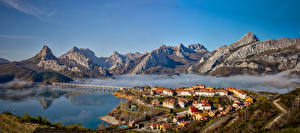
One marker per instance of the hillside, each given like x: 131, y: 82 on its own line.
x: 255, y: 118
x: 24, y: 124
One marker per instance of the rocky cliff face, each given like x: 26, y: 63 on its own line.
x: 198, y: 48
x: 246, y: 39
x: 170, y: 60
x: 157, y: 57
x: 84, y: 60
x: 46, y: 60
x: 116, y: 61
x: 182, y: 51
x: 133, y: 56
x: 249, y: 55
x: 78, y: 58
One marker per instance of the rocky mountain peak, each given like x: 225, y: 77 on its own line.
x: 162, y: 49
x: 115, y: 53
x: 133, y: 56
x: 46, y: 54
x: 74, y: 49
x: 250, y: 37
x: 79, y: 57
x: 46, y: 60
x: 246, y: 39
x: 116, y: 57
x: 198, y: 48
x: 180, y: 46
x: 181, y: 50
x: 84, y: 51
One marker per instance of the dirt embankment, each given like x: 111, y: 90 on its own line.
x: 110, y: 119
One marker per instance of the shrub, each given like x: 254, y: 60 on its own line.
x: 7, y: 113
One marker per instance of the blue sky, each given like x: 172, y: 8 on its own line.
x: 126, y: 26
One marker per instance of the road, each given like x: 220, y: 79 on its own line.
x: 275, y: 102
x: 183, y: 113
x: 219, y: 122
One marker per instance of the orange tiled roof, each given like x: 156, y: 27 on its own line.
x: 221, y: 90
x: 183, y: 100
x: 160, y: 89
x: 205, y: 90
x: 169, y: 90
x: 203, y: 103
x: 180, y: 90
x: 238, y: 90
x: 155, y: 124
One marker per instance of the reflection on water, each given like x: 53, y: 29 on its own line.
x: 60, y: 106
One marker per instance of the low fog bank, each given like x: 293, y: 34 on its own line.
x: 16, y: 83
x: 28, y: 93
x: 280, y: 83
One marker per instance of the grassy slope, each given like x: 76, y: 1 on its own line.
x: 291, y: 121
x: 10, y: 123
x: 26, y: 123
x: 264, y: 111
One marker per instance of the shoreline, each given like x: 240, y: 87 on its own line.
x: 119, y: 95
x: 111, y: 119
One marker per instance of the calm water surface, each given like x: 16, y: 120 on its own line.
x: 59, y: 106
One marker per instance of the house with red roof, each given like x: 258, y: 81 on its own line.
x: 170, y: 103
x: 198, y: 86
x: 192, y: 110
x: 238, y: 93
x: 202, y: 105
x: 155, y: 102
x: 183, y: 102
x: 182, y: 92
x: 221, y: 92
x: 168, y: 92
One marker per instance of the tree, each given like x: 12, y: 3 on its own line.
x: 171, y: 111
x: 147, y: 117
x: 147, y: 87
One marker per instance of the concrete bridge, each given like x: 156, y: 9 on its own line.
x: 88, y: 88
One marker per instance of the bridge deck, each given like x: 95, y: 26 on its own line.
x: 87, y: 85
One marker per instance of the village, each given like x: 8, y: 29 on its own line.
x: 157, y: 109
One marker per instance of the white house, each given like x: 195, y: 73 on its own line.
x: 168, y: 92
x: 204, y: 93
x: 222, y: 92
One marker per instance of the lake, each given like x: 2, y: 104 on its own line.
x: 59, y: 106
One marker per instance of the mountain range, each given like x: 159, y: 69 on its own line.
x: 248, y: 55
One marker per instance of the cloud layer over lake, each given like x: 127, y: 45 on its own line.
x: 275, y: 83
